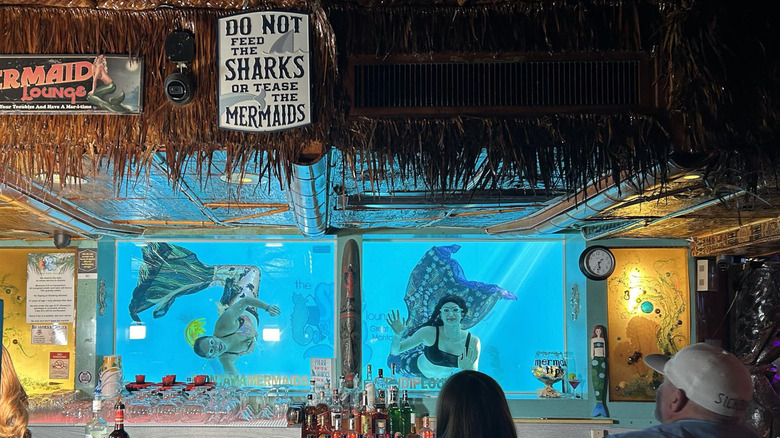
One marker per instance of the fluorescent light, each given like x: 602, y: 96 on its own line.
x: 273, y: 245
x: 138, y: 331
x: 57, y: 178
x: 271, y: 334
x: 237, y: 178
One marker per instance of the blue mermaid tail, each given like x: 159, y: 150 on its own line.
x: 437, y: 274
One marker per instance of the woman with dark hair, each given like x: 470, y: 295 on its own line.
x: 447, y: 348
x: 235, y: 333
x: 13, y: 401
x: 473, y: 405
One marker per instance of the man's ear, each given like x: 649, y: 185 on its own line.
x: 678, y: 400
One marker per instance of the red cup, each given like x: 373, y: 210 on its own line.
x: 200, y: 379
x: 140, y: 378
x: 169, y: 379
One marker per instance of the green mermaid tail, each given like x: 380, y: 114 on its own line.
x: 168, y: 272
x: 598, y: 374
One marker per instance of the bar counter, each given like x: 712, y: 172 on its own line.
x: 530, y: 427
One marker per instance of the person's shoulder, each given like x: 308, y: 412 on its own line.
x: 691, y: 428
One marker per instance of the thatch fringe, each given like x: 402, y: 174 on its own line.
x: 56, y: 143
x: 443, y: 154
x: 718, y: 66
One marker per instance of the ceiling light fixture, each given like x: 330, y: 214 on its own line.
x: 56, y: 179
x: 237, y: 178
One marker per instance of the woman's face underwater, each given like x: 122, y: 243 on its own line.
x: 451, y: 313
x: 215, y: 347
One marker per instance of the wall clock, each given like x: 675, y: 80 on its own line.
x: 597, y: 262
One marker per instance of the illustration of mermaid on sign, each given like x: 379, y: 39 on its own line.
x: 169, y: 272
x: 442, y: 305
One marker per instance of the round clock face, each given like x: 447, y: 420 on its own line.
x: 597, y: 262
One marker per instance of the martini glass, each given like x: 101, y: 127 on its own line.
x: 574, y: 383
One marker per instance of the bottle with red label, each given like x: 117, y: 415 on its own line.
x: 119, y: 420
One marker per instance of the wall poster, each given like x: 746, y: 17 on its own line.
x: 71, y: 84
x: 648, y: 299
x: 248, y: 313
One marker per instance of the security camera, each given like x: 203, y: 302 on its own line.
x: 61, y: 240
x: 723, y: 262
x: 179, y: 88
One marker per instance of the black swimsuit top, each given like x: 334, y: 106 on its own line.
x: 442, y: 358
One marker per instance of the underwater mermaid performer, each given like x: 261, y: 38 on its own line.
x: 235, y: 333
x: 433, y: 283
x: 447, y: 348
x: 169, y: 272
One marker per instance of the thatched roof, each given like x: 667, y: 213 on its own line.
x: 718, y: 72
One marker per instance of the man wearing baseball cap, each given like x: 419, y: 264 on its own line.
x: 705, y: 393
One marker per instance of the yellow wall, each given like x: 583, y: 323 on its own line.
x: 32, y: 362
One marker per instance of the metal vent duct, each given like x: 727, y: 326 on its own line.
x: 509, y: 86
x: 308, y: 196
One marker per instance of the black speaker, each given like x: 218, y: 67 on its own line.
x: 180, y: 46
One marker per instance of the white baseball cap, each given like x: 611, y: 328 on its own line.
x: 713, y: 378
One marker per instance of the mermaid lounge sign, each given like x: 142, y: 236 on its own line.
x: 56, y: 84
x: 264, y: 71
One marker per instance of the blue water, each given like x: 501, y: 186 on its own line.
x: 298, y: 276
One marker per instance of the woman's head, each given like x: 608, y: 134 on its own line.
x: 209, y: 347
x: 448, y: 307
x: 13, y: 401
x: 472, y: 405
x: 598, y: 331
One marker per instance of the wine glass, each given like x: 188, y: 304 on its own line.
x: 549, y: 367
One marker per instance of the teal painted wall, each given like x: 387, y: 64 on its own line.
x: 95, y: 332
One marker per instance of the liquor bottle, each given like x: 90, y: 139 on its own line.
x: 369, y: 387
x: 323, y: 426
x: 394, y: 423
x: 309, y: 426
x: 323, y: 410
x: 119, y: 420
x: 96, y: 427
x: 413, y: 432
x: 381, y: 385
x: 380, y: 419
x: 352, y: 430
x: 366, y: 416
x: 335, y: 409
x: 356, y: 407
x: 425, y: 430
x: 392, y: 381
x: 336, y: 430
x: 407, y: 413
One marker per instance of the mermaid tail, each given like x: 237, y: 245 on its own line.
x: 598, y: 374
x: 104, y: 89
x: 167, y: 272
x: 437, y: 274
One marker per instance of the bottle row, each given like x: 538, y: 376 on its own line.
x: 375, y: 411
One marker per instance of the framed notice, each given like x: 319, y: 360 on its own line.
x: 62, y: 84
x: 264, y: 71
x: 51, y: 286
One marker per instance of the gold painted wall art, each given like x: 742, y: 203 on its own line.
x: 648, y: 299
